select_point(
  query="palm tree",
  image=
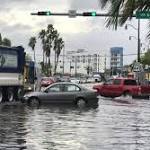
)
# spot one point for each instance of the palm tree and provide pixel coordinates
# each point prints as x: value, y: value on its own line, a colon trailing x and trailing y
x: 6, y: 42
x: 42, y: 35
x: 49, y: 41
x: 125, y: 7
x: 56, y: 36
x: 59, y: 47
x: 1, y: 41
x: 32, y: 43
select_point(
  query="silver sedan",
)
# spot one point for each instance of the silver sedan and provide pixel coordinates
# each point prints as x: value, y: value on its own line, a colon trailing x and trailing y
x: 62, y: 92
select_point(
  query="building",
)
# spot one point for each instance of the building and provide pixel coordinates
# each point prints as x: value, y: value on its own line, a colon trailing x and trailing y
x: 116, y: 60
x: 83, y: 64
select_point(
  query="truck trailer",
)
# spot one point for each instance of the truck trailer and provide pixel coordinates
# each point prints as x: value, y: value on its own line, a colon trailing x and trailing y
x: 12, y: 61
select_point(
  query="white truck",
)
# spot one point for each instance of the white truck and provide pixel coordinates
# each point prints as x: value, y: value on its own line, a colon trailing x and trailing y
x: 12, y: 60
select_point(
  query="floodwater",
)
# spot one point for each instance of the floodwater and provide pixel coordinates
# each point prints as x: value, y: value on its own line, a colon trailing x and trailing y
x: 114, y: 125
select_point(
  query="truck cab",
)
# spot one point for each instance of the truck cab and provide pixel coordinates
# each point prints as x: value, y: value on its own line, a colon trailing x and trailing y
x: 12, y: 61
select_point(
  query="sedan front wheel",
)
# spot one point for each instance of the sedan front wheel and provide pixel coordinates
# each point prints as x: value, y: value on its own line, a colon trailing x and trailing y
x: 34, y: 102
x: 81, y: 103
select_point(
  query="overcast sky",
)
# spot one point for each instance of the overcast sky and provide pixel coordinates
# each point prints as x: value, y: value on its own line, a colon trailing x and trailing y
x: 90, y: 34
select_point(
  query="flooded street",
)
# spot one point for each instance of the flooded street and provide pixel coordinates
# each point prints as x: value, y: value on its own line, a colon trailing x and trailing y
x: 113, y: 125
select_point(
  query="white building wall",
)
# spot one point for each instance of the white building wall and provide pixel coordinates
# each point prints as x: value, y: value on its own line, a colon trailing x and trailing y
x: 82, y: 61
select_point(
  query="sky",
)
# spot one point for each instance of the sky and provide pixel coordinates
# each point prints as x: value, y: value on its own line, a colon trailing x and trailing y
x: 90, y: 34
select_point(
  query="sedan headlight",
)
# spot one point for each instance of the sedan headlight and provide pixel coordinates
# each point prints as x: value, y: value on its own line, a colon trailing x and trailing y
x: 29, y: 88
x: 25, y: 97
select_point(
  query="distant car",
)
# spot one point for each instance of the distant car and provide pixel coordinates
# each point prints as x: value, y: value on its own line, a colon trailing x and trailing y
x: 83, y: 80
x: 90, y: 80
x: 75, y: 80
x: 46, y: 81
x: 62, y: 92
x: 65, y: 79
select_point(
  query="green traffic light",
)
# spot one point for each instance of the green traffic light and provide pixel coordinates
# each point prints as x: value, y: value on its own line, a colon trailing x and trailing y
x: 93, y: 13
x: 48, y: 13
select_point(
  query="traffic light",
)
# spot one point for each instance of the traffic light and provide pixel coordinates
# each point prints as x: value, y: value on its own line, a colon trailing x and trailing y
x: 93, y: 13
x: 44, y: 13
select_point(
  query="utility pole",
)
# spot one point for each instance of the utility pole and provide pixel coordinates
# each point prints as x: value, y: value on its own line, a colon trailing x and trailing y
x: 63, y: 60
x: 75, y: 67
x: 70, y: 66
x: 139, y: 42
x: 98, y: 63
x: 105, y: 63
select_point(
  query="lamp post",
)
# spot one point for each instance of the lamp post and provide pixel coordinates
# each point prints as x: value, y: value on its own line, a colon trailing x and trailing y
x: 138, y: 38
x: 63, y: 59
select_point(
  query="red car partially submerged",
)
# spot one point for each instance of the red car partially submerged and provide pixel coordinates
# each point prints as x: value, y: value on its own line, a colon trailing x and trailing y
x: 118, y: 87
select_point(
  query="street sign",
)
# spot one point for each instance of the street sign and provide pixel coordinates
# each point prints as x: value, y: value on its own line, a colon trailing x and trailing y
x: 137, y: 67
x: 143, y: 14
x: 72, y: 13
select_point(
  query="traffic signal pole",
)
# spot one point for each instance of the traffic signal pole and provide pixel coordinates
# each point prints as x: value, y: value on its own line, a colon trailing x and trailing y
x: 86, y: 14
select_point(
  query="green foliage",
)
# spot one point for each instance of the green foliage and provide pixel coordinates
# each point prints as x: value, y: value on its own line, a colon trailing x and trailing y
x: 125, y: 7
x: 50, y: 40
x: 32, y: 42
x: 145, y: 60
x: 6, y: 42
x: 1, y: 41
x: 28, y: 57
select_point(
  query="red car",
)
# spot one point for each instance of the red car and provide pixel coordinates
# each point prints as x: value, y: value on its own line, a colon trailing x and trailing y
x: 46, y: 81
x: 118, y: 87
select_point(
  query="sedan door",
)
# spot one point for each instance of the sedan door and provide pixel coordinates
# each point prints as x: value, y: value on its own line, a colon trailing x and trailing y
x: 53, y: 94
x: 70, y: 92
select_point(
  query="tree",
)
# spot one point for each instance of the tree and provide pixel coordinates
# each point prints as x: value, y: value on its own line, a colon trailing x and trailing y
x: 1, y: 41
x: 125, y: 7
x: 55, y: 43
x: 145, y: 60
x: 6, y: 42
x: 48, y: 44
x: 50, y: 40
x: 32, y: 43
x: 42, y: 36
x: 28, y: 57
x: 88, y: 69
x: 58, y: 46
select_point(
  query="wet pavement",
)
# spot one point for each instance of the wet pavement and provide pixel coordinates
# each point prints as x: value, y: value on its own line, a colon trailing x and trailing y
x: 119, y: 124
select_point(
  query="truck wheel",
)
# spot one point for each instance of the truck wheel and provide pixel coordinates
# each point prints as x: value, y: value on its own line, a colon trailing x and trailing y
x: 1, y: 95
x: 20, y: 93
x: 10, y: 95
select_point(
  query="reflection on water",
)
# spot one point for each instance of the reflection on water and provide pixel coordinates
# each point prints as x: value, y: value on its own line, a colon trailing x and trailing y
x: 113, y: 125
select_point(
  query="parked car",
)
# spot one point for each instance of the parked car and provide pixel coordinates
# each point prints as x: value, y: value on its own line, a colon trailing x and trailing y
x: 118, y: 87
x: 62, y: 92
x: 65, y: 79
x: 75, y: 80
x: 46, y: 81
x: 97, y: 78
x: 90, y: 80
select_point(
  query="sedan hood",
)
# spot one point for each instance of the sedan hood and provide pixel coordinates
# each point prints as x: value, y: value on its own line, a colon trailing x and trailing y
x: 33, y: 94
